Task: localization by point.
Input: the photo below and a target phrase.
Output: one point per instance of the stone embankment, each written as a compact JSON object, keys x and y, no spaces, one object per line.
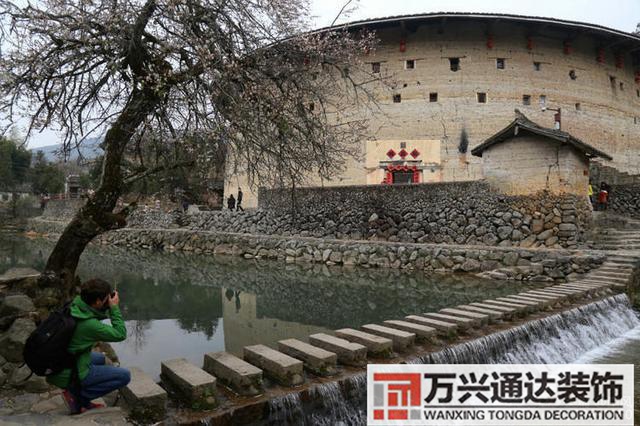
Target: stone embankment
{"x":498,"y":263}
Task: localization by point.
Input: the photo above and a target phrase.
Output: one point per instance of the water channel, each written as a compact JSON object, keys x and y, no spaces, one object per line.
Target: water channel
{"x":179,"y":305}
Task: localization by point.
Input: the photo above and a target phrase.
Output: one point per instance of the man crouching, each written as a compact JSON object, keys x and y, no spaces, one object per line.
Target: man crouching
{"x":94,"y":379}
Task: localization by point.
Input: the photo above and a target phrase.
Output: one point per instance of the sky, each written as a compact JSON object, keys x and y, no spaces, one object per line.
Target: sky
{"x":619,"y":14}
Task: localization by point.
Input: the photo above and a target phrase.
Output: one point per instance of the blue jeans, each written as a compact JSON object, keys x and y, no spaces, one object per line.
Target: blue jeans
{"x":101,"y":379}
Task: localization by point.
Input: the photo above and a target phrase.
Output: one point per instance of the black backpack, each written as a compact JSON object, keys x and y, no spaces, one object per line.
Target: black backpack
{"x":45,"y":351}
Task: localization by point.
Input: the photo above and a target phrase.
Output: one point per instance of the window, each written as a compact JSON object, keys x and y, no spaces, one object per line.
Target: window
{"x":482,"y":97}
{"x":454,"y":64}
{"x":537,"y":66}
{"x":621,"y":86}
{"x":397,"y":98}
{"x":375,"y":67}
{"x":526,"y":99}
{"x":572,"y":75}
{"x":433,"y":97}
{"x":409,"y":64}
{"x":500,"y":63}
{"x":578,"y":106}
{"x":638,"y":93}
{"x":636,"y":120}
{"x":543,"y":100}
{"x":403,"y":145}
{"x":612,"y":80}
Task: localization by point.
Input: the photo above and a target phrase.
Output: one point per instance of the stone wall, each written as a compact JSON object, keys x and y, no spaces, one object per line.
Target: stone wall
{"x":62,"y":209}
{"x":625,"y":200}
{"x":453,"y":213}
{"x":500,"y":263}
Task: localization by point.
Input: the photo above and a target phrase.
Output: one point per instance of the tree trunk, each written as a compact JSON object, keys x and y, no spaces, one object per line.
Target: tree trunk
{"x":97,"y":216}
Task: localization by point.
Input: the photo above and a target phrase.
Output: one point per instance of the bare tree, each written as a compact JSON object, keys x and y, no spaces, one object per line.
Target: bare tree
{"x":241,"y":73}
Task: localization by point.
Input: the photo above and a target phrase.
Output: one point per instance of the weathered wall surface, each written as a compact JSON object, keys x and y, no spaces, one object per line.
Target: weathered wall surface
{"x":498,"y":262}
{"x":596,"y":109}
{"x":62,"y":209}
{"x":454,"y":213}
{"x":625,"y":200}
{"x":528,"y":164}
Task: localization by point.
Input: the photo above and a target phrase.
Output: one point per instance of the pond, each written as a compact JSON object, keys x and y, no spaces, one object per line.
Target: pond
{"x":184,"y":305}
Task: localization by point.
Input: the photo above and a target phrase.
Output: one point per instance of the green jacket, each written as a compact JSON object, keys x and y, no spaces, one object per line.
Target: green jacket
{"x":89,"y":330}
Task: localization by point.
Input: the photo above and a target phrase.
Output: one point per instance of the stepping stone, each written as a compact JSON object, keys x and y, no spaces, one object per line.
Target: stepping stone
{"x":504,"y":309}
{"x":518,"y":307}
{"x":376,"y":345}
{"x":281,"y":367}
{"x":494,"y":314}
{"x":236,"y":373}
{"x":532,"y":306}
{"x":463,"y":323}
{"x":448,"y":329}
{"x":483,"y":318}
{"x":546,"y":295}
{"x":348,"y":353}
{"x":196,"y":385}
{"x":316,"y":360}
{"x":574,"y":289}
{"x":402,"y":340}
{"x":538,"y":302}
{"x":422,"y":332}
{"x":145,"y":399}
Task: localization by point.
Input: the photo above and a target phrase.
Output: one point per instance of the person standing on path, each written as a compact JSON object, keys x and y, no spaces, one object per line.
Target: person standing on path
{"x":231,"y":202}
{"x":238,"y":206}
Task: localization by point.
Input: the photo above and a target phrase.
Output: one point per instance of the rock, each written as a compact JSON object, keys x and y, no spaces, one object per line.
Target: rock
{"x":545,"y":235}
{"x":510,"y":258}
{"x":528,"y":242}
{"x":471,"y":265}
{"x":18,"y":379}
{"x":504,"y":232}
{"x":537,"y":225}
{"x":12,"y":341}
{"x":567,"y":227}
{"x":3,"y":377}
{"x":373,"y":218}
{"x":326,"y":254}
{"x":16,"y":304}
{"x":549,"y":242}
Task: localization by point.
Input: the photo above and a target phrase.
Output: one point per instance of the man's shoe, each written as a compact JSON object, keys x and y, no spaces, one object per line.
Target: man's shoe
{"x":71,"y":402}
{"x":91,"y":406}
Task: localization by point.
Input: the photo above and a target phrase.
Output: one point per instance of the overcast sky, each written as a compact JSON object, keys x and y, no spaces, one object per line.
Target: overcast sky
{"x":619,"y":14}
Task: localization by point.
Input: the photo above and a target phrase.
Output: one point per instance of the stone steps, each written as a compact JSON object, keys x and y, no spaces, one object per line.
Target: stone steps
{"x":503,"y":309}
{"x":281,"y":367}
{"x":145,"y":399}
{"x":529,"y":306}
{"x":462,"y":322}
{"x":447,"y":329}
{"x":348,"y":353}
{"x":240,"y":376}
{"x":422,"y":332}
{"x":317,"y":360}
{"x":402,"y":340}
{"x":523,"y":309}
{"x":542,"y":303}
{"x":195,"y":385}
{"x":494,"y":315}
{"x":376,"y":346}
{"x":482,"y":318}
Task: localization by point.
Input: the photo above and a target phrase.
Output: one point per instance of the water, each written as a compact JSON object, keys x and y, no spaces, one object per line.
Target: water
{"x":603,"y":332}
{"x":179,"y":305}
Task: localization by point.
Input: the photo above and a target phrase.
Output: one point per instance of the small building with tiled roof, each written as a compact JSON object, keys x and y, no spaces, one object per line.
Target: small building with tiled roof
{"x":525,"y":158}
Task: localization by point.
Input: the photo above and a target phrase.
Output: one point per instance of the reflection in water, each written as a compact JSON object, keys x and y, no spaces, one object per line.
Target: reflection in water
{"x":175,"y":303}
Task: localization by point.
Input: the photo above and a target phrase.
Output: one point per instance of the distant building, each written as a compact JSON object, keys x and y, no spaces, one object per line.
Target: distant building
{"x":455,"y":79}
{"x":524,"y":158}
{"x":72,"y":186}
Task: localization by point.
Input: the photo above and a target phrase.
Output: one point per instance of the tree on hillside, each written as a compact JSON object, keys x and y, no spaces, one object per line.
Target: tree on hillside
{"x":194,"y":74}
